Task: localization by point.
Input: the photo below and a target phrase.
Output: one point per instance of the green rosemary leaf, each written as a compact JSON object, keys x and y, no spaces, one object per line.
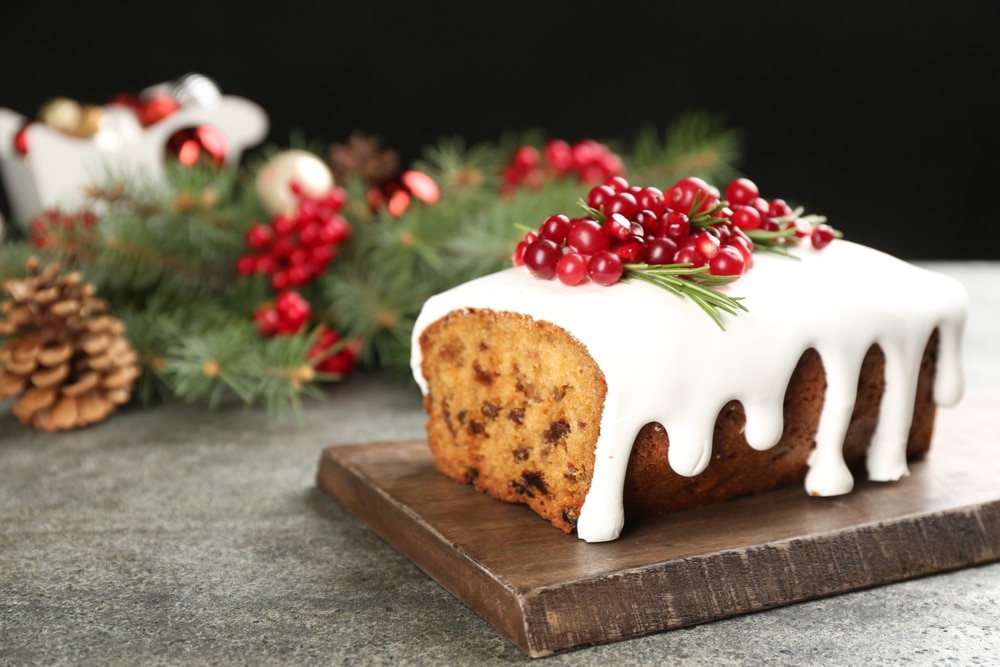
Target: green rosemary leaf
{"x":592,"y":213}
{"x":692,"y":282}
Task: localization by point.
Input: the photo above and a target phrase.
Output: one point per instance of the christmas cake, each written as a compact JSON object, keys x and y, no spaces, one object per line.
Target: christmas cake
{"x":661,"y":382}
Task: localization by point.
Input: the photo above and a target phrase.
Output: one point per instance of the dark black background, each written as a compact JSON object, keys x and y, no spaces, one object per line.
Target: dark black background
{"x":881,"y":115}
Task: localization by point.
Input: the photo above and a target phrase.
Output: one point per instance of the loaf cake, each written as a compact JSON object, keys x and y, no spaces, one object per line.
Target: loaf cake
{"x":597,"y":403}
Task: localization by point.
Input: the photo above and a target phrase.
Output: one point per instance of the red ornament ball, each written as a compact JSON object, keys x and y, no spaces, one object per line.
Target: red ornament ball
{"x":205,"y":144}
{"x":156,"y":108}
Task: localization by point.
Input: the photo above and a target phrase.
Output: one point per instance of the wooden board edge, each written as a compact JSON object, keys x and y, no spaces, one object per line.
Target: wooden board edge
{"x":681,"y":592}
{"x":690,"y":591}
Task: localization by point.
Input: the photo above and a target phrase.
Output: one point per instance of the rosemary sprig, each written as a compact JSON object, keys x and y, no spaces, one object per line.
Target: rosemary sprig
{"x":779,"y":241}
{"x":696,"y":283}
{"x":693,"y":282}
{"x":703,"y":220}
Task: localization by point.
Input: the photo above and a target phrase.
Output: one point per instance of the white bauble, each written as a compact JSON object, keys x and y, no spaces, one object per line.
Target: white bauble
{"x":119,"y":129}
{"x":163,"y":89}
{"x":273,"y":185}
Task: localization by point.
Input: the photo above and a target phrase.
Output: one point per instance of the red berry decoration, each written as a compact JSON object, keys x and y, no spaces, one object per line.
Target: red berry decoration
{"x":660,"y":251}
{"x":287,"y":315}
{"x":605,"y":268}
{"x":63,"y":231}
{"x":555,"y":228}
{"x":541,"y":258}
{"x":727,"y":262}
{"x":821,"y":236}
{"x":618,"y":226}
{"x":741,"y":191}
{"x":293,"y":312}
{"x":779,"y":208}
{"x":598,"y":195}
{"x":267,"y":320}
{"x":572,"y":268}
{"x":296,"y":247}
{"x":588,"y":161}
{"x":333,"y":354}
{"x":668,"y":238}
{"x":683,"y":194}
{"x":746,"y":216}
{"x":260,"y":236}
{"x":587,"y":236}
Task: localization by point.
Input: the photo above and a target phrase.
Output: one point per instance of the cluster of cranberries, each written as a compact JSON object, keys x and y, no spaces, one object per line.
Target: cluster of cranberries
{"x":297,"y":246}
{"x":294,"y":249}
{"x":689,"y":224}
{"x":288,"y":314}
{"x":340,"y":362}
{"x":72,"y":225}
{"x":588,"y":160}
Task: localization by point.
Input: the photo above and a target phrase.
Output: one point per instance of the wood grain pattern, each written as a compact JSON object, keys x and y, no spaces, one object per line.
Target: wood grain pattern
{"x":549,"y":592}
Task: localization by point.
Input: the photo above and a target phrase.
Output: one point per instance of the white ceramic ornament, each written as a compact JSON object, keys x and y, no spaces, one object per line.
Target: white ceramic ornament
{"x":273,"y":185}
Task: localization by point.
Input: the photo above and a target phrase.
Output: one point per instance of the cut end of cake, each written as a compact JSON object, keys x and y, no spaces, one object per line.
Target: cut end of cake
{"x":514,"y":408}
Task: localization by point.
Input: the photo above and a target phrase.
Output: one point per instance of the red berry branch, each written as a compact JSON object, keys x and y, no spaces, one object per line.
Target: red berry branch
{"x":589,"y":161}
{"x":294,"y":249}
{"x":687,"y":240}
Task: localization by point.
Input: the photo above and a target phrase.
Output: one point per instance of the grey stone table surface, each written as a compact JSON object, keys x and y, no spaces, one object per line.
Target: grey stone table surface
{"x":176,"y":535}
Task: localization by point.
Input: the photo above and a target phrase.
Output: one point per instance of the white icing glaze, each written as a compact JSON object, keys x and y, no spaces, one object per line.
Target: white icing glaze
{"x":666,"y":361}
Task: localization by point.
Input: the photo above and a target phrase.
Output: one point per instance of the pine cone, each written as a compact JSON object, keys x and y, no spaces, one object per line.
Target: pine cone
{"x":363,"y":156}
{"x":68,"y":363}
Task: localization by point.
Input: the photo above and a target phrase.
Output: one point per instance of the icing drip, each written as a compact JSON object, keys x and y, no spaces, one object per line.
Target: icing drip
{"x":678,"y":368}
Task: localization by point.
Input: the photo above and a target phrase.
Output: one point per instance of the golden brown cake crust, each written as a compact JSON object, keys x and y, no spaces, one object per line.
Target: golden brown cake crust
{"x":514,"y":407}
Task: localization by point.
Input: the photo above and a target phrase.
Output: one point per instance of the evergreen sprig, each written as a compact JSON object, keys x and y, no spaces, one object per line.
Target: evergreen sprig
{"x":780,"y":240}
{"x":163,"y":254}
{"x":694,"y":283}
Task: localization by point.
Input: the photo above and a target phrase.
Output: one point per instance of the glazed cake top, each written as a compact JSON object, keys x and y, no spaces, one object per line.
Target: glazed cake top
{"x":666,"y":361}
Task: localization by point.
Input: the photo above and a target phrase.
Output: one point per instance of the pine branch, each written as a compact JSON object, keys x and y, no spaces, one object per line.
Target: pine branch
{"x":463,"y":173}
{"x":164,"y":255}
{"x":696,"y":144}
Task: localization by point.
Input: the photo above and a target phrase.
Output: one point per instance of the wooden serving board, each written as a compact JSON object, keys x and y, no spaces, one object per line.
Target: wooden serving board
{"x":549,"y":592}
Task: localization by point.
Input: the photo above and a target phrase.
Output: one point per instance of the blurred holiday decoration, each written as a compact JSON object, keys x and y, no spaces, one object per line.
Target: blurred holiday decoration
{"x":267,"y":280}
{"x":363,"y":157}
{"x":50,"y":160}
{"x":306,"y":170}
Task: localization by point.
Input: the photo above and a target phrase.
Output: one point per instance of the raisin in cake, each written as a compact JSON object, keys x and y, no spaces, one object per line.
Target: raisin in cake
{"x":595,"y":403}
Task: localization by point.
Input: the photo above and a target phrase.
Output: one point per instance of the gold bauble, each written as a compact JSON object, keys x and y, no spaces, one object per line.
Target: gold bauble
{"x":61,"y":113}
{"x":91,"y":117}
{"x":274,"y":181}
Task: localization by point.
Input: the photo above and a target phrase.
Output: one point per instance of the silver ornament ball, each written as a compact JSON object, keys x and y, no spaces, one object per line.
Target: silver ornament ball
{"x":196,"y":90}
